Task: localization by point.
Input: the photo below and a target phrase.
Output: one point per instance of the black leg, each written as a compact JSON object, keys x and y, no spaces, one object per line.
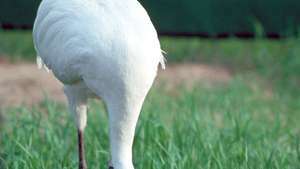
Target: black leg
{"x":82,"y":162}
{"x":110,"y":165}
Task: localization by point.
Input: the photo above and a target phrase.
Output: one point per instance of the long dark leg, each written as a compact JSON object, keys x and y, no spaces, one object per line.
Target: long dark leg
{"x":78,"y":107}
{"x":82,"y":162}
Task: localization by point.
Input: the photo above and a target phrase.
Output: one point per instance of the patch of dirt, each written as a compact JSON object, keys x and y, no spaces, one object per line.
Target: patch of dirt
{"x":23,"y":83}
{"x":188,"y":75}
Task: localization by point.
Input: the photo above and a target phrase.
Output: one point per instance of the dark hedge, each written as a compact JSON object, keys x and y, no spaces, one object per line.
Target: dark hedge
{"x":193,"y":17}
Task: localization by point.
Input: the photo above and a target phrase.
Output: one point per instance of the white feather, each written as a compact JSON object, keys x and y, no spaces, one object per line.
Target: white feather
{"x":41,"y":64}
{"x":103,"y":48}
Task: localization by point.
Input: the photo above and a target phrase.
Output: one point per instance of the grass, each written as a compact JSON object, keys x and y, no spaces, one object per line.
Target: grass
{"x":16,"y":45}
{"x":250,"y":123}
{"x":221,"y":127}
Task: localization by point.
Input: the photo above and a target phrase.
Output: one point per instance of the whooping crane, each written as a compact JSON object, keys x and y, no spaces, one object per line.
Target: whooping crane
{"x":105,"y":49}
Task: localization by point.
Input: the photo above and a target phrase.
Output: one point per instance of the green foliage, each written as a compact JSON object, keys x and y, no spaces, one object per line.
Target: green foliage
{"x":224,"y":126}
{"x":231,"y":16}
{"x":18,"y":12}
{"x":211,"y":17}
{"x":193,"y":16}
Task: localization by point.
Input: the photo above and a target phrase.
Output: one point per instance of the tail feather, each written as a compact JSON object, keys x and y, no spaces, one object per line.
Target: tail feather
{"x":163,"y":60}
{"x":40,"y":64}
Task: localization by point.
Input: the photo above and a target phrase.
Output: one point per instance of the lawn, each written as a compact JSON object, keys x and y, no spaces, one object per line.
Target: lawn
{"x":250,"y":122}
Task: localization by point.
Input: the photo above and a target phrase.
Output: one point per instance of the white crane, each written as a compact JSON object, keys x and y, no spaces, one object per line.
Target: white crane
{"x":104,"y":49}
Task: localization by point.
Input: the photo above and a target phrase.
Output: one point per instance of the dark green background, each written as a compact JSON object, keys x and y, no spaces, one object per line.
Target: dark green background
{"x":207,"y":17}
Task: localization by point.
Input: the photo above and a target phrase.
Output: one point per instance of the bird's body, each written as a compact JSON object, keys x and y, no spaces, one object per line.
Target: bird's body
{"x":101,"y":48}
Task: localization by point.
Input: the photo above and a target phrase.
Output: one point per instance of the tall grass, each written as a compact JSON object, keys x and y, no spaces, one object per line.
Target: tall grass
{"x":222,"y":127}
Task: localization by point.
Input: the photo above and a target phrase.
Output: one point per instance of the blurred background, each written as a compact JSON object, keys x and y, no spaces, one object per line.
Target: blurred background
{"x":229,"y":98}
{"x":204,"y":18}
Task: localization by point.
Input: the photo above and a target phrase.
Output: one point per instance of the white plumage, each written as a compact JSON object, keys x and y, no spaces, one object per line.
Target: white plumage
{"x":107,"y":49}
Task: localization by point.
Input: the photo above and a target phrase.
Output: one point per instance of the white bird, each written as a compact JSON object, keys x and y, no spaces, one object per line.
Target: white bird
{"x":105,"y":49}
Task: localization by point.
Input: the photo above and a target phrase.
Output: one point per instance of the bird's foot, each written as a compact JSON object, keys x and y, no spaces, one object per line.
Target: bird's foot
{"x":110,"y":165}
